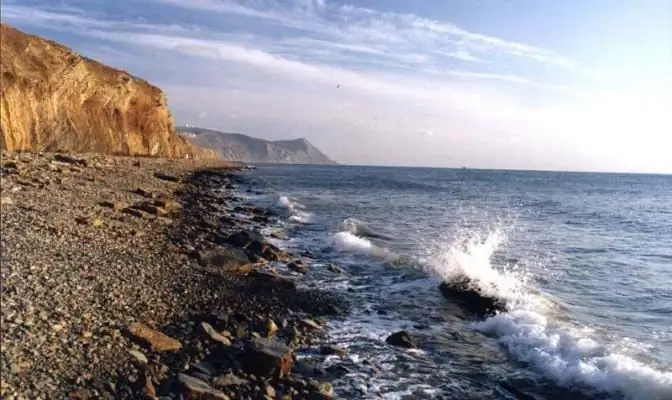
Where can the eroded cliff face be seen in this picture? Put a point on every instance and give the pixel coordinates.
(53, 99)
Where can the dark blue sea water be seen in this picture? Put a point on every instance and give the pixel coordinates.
(584, 262)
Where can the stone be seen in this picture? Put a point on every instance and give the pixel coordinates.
(229, 380)
(401, 339)
(335, 269)
(115, 205)
(138, 356)
(144, 193)
(227, 258)
(79, 394)
(214, 335)
(64, 158)
(329, 350)
(274, 280)
(170, 205)
(322, 388)
(267, 358)
(467, 295)
(166, 177)
(133, 212)
(271, 328)
(255, 245)
(150, 208)
(309, 323)
(196, 389)
(157, 341)
(6, 201)
(270, 391)
(293, 266)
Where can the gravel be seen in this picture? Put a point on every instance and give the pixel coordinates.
(92, 244)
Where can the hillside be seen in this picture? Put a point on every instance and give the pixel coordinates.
(53, 99)
(239, 147)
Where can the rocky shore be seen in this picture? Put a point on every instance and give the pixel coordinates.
(145, 278)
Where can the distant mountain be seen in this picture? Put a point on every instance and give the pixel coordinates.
(239, 147)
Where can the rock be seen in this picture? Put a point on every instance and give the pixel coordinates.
(170, 205)
(466, 294)
(166, 177)
(6, 201)
(64, 158)
(267, 358)
(229, 380)
(323, 389)
(150, 208)
(270, 391)
(79, 394)
(158, 341)
(273, 280)
(139, 356)
(133, 212)
(116, 205)
(309, 323)
(144, 193)
(271, 328)
(214, 335)
(401, 339)
(329, 350)
(225, 257)
(335, 269)
(255, 245)
(293, 266)
(196, 389)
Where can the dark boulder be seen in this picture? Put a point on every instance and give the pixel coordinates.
(255, 246)
(401, 339)
(462, 291)
(225, 258)
(267, 358)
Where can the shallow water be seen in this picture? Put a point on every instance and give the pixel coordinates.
(584, 262)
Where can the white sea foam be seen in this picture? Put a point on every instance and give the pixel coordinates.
(565, 352)
(350, 242)
(292, 210)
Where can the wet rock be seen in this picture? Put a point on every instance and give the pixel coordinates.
(255, 245)
(296, 267)
(466, 294)
(267, 358)
(322, 389)
(214, 335)
(270, 391)
(196, 389)
(329, 350)
(310, 324)
(229, 380)
(225, 257)
(158, 341)
(335, 269)
(166, 177)
(401, 339)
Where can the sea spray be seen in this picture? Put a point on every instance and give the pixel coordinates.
(560, 349)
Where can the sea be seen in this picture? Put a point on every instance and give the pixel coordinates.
(583, 262)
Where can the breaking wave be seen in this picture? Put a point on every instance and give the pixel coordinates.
(531, 332)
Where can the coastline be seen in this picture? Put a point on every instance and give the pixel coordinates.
(144, 278)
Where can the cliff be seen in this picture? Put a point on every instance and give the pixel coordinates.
(53, 99)
(239, 147)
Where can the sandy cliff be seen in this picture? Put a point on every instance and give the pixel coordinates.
(53, 99)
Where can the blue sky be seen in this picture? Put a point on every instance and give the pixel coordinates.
(527, 84)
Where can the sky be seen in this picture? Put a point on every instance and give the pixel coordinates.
(513, 84)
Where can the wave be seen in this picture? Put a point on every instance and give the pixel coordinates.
(349, 242)
(291, 209)
(532, 332)
(361, 229)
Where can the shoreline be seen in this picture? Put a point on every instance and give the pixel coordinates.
(134, 278)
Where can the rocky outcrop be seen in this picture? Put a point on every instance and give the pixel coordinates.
(243, 148)
(463, 291)
(53, 99)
